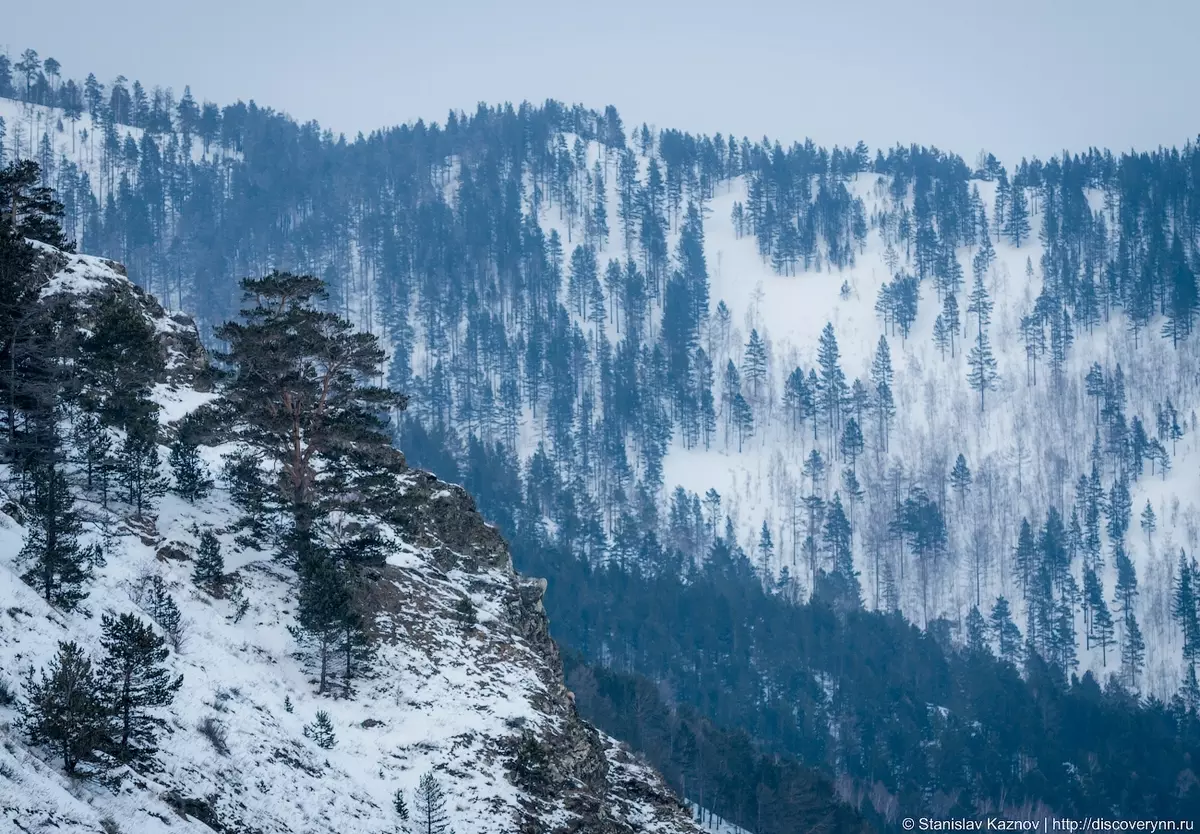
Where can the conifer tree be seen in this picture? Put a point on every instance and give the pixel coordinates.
(983, 375)
(1017, 225)
(321, 730)
(977, 633)
(323, 608)
(1133, 653)
(135, 681)
(58, 566)
(1005, 632)
(429, 807)
(301, 396)
(400, 806)
(65, 707)
(754, 366)
(210, 564)
(192, 481)
(1185, 608)
(138, 463)
(960, 478)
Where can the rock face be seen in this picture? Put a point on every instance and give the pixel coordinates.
(477, 701)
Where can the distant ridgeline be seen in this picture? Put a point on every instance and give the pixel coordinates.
(929, 392)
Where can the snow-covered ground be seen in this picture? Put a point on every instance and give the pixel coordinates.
(437, 699)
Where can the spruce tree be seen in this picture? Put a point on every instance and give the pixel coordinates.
(1005, 632)
(1017, 227)
(429, 807)
(977, 633)
(58, 567)
(210, 564)
(65, 708)
(983, 375)
(135, 680)
(321, 730)
(192, 481)
(323, 607)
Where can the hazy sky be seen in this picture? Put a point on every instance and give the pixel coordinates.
(1018, 78)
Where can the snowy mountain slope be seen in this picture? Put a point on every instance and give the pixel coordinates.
(1026, 448)
(440, 698)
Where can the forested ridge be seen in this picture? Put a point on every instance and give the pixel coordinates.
(544, 277)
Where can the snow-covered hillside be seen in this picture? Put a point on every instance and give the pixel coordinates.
(441, 698)
(1026, 448)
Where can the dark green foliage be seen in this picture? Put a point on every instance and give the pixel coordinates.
(139, 465)
(210, 564)
(157, 600)
(769, 793)
(66, 708)
(321, 730)
(400, 806)
(121, 358)
(28, 209)
(192, 481)
(323, 607)
(301, 396)
(531, 765)
(57, 565)
(135, 680)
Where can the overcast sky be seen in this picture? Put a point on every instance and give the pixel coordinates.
(1019, 77)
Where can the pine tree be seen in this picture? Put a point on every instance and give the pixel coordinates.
(192, 481)
(65, 707)
(977, 633)
(400, 806)
(941, 337)
(1017, 227)
(429, 807)
(1005, 632)
(323, 606)
(164, 611)
(321, 730)
(881, 376)
(301, 397)
(1149, 523)
(135, 680)
(960, 478)
(755, 365)
(983, 375)
(138, 464)
(1185, 608)
(58, 566)
(1133, 653)
(210, 564)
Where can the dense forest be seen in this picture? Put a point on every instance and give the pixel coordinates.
(542, 278)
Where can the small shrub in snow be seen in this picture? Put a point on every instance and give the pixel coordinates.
(241, 605)
(465, 613)
(214, 730)
(321, 730)
(287, 703)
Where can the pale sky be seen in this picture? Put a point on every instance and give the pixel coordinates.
(1019, 78)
